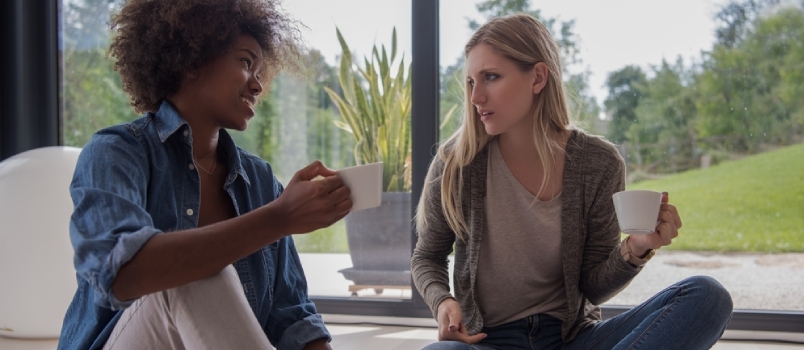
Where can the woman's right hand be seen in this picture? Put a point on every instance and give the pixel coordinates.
(307, 205)
(450, 323)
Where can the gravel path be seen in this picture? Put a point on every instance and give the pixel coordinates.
(755, 281)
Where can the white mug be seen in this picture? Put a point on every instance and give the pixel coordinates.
(365, 183)
(637, 210)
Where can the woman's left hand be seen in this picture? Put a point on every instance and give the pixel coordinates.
(667, 228)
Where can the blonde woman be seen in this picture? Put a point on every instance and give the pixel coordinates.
(525, 198)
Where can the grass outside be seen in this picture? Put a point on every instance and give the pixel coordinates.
(755, 204)
(329, 240)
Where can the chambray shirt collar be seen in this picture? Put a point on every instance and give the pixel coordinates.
(168, 121)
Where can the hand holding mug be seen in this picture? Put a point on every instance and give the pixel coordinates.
(635, 213)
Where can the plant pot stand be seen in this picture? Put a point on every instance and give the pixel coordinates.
(377, 280)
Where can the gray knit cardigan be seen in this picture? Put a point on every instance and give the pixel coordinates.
(594, 270)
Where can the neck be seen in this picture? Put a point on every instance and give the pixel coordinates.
(205, 133)
(521, 144)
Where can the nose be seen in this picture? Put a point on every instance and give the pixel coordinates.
(478, 96)
(255, 85)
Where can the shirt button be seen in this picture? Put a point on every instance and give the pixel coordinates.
(190, 212)
(192, 167)
(185, 133)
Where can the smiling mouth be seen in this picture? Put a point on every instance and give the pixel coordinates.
(248, 101)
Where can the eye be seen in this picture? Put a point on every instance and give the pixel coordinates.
(491, 76)
(470, 82)
(247, 61)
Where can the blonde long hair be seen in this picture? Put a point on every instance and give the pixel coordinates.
(525, 41)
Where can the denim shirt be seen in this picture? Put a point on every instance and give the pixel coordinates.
(137, 180)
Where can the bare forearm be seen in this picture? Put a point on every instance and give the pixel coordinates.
(177, 258)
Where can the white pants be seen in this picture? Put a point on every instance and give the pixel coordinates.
(208, 314)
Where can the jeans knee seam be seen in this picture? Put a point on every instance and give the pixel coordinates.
(659, 318)
(599, 339)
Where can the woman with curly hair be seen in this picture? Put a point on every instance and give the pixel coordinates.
(182, 239)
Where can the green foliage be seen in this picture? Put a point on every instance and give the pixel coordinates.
(750, 205)
(375, 109)
(327, 240)
(747, 91)
(452, 97)
(581, 104)
(735, 18)
(664, 122)
(93, 96)
(623, 99)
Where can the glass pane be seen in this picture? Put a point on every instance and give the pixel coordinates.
(709, 111)
(368, 253)
(93, 97)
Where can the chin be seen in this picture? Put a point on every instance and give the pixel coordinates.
(242, 126)
(492, 131)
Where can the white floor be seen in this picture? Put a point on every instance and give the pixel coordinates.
(367, 336)
(772, 286)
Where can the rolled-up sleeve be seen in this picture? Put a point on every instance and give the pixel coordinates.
(293, 321)
(109, 224)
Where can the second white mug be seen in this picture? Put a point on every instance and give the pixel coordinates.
(637, 210)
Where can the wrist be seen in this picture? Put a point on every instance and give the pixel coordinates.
(636, 251)
(272, 215)
(632, 258)
(445, 303)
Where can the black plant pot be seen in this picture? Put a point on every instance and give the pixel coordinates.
(379, 242)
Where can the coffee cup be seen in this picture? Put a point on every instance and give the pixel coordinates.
(365, 183)
(637, 210)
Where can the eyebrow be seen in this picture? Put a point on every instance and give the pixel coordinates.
(253, 55)
(484, 71)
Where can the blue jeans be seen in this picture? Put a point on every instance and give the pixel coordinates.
(691, 314)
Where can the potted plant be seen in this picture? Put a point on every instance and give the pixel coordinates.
(375, 109)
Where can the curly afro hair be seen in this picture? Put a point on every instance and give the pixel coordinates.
(158, 42)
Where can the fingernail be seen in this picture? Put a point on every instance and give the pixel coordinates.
(452, 327)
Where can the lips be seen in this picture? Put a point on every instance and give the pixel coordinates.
(485, 114)
(249, 101)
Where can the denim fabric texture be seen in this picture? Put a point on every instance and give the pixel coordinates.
(690, 315)
(136, 180)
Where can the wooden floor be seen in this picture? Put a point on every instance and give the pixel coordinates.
(367, 336)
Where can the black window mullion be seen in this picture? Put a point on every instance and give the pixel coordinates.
(425, 98)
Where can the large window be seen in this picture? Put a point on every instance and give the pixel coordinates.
(706, 106)
(709, 111)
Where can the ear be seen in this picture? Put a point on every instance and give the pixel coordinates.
(540, 73)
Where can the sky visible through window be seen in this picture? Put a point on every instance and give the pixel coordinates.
(612, 34)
